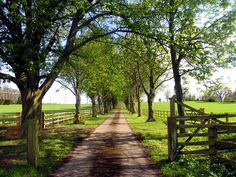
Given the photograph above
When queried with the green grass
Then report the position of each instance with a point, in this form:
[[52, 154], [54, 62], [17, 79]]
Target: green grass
[[154, 136], [55, 144], [215, 107], [48, 108]]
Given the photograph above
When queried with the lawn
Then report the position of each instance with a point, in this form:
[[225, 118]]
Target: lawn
[[48, 108], [55, 144], [215, 107]]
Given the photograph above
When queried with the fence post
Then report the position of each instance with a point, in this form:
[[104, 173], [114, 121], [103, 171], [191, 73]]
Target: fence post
[[212, 137], [227, 117], [172, 106], [172, 138], [43, 121], [202, 110], [18, 119]]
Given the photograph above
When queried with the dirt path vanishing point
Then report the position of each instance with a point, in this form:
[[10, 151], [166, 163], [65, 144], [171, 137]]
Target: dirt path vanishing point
[[110, 151]]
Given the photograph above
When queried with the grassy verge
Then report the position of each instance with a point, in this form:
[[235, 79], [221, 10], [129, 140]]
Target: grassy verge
[[55, 144], [154, 136]]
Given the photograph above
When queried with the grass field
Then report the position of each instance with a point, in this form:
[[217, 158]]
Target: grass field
[[215, 107], [48, 108]]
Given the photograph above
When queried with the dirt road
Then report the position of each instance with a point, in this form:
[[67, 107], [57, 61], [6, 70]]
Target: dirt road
[[110, 151]]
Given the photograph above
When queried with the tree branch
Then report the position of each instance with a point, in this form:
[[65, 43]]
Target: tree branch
[[141, 81], [8, 77], [66, 86]]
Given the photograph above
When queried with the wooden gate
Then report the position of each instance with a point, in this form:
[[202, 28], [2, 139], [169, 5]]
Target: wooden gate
[[205, 134]]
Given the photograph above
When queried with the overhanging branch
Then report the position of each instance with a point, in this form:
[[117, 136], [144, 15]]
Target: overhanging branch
[[8, 77]]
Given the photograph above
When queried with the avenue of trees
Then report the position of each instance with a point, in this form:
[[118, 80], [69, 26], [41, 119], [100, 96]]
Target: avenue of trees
[[109, 49]]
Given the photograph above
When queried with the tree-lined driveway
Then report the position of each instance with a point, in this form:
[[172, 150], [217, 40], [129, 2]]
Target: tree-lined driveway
[[111, 150]]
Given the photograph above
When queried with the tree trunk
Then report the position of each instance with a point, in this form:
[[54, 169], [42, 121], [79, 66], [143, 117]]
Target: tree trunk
[[127, 103], [100, 104], [175, 62], [31, 116], [77, 119], [150, 108], [139, 102], [151, 96], [132, 106], [105, 104], [94, 110], [114, 102]]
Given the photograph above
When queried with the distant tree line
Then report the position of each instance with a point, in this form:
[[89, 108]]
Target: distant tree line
[[215, 90]]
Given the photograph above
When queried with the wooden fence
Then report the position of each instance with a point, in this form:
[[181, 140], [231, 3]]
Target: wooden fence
[[58, 118], [159, 114], [209, 127], [10, 124], [204, 133], [10, 120]]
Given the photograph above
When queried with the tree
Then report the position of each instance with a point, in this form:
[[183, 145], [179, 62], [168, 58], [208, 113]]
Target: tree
[[217, 89], [72, 78], [195, 46], [36, 40], [152, 67], [102, 77], [167, 94]]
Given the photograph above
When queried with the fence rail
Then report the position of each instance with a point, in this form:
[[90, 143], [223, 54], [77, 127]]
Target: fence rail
[[10, 124], [58, 118], [159, 114], [10, 120]]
